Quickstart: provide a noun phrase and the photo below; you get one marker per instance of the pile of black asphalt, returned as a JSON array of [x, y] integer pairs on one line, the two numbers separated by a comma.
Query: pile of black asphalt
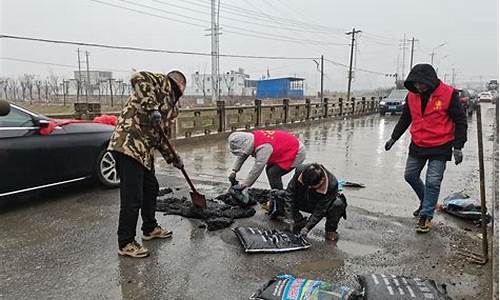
[[220, 211]]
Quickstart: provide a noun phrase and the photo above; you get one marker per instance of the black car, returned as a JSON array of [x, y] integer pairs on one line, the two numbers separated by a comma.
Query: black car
[[394, 102], [38, 152]]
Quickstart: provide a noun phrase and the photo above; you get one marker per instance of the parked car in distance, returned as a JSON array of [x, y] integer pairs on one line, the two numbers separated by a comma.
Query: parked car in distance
[[39, 152], [394, 102], [485, 97]]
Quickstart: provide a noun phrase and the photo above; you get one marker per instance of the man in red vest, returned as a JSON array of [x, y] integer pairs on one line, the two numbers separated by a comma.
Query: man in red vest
[[277, 150], [438, 129]]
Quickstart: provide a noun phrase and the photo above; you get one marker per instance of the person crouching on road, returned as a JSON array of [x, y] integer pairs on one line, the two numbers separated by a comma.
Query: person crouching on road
[[150, 109], [313, 189], [277, 150], [438, 125]]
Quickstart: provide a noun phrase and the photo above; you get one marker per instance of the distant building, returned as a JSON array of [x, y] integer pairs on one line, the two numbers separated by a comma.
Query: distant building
[[287, 87], [232, 83]]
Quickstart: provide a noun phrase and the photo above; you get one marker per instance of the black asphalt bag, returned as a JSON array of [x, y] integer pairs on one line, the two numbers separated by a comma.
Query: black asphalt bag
[[391, 287], [256, 240]]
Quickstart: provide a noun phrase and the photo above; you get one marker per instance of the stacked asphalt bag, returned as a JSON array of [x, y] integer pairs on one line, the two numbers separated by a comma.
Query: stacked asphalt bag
[[391, 287], [256, 240], [287, 287], [461, 205]]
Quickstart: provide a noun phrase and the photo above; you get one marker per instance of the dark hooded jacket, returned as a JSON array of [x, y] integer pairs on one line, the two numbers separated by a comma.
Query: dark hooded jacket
[[318, 204], [424, 73]]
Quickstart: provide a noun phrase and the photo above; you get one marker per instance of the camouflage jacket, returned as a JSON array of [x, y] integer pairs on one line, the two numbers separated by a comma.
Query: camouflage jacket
[[133, 135]]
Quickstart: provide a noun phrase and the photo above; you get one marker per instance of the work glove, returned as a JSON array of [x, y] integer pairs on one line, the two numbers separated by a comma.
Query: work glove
[[154, 118], [232, 178], [178, 163], [458, 155], [303, 232], [389, 144], [239, 187]]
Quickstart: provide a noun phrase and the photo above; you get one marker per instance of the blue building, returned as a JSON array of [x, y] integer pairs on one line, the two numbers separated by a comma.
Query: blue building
[[287, 87]]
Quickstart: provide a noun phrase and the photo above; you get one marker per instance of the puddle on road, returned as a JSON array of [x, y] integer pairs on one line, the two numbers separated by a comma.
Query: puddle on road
[[318, 265], [356, 249]]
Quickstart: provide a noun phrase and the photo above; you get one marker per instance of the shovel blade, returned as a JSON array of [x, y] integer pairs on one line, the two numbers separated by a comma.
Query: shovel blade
[[198, 200]]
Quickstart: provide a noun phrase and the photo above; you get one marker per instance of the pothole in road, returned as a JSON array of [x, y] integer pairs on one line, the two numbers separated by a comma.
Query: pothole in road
[[356, 249], [318, 265]]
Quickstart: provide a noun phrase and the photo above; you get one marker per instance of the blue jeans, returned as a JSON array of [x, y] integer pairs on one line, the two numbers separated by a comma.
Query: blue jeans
[[428, 194]]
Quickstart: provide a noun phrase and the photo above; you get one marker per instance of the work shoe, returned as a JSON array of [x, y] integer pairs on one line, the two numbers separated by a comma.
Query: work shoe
[[424, 224], [416, 213], [157, 233], [331, 236], [133, 249]]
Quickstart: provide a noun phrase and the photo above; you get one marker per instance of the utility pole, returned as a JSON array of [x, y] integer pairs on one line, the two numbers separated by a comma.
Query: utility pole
[[432, 58], [453, 77], [88, 75], [215, 53], [353, 37], [111, 90], [79, 79], [322, 75], [404, 52], [413, 40]]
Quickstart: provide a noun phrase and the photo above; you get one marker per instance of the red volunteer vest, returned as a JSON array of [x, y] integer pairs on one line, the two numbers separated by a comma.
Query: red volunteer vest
[[285, 146], [433, 128]]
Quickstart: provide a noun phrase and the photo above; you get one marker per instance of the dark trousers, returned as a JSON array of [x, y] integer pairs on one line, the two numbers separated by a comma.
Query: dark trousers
[[274, 174], [138, 191], [333, 214]]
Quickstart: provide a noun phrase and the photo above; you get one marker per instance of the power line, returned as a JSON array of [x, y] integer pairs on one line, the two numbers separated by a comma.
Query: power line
[[55, 64], [236, 30], [269, 24], [130, 48]]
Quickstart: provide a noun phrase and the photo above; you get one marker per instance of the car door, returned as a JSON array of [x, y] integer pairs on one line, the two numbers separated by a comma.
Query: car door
[[27, 158]]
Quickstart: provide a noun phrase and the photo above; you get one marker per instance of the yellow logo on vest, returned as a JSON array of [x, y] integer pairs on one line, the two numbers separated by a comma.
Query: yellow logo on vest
[[269, 133], [438, 104]]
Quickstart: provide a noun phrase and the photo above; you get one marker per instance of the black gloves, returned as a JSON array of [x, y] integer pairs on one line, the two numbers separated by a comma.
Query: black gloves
[[458, 155], [389, 144], [154, 118], [232, 178]]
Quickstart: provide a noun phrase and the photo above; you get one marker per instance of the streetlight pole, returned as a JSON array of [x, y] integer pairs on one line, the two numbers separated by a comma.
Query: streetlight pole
[[433, 53]]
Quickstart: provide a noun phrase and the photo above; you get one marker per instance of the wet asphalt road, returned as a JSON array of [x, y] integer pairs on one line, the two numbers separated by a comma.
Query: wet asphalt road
[[62, 244]]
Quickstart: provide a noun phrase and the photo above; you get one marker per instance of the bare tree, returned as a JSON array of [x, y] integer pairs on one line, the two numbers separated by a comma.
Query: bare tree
[[229, 82], [38, 84], [4, 82], [199, 81], [54, 85], [13, 88]]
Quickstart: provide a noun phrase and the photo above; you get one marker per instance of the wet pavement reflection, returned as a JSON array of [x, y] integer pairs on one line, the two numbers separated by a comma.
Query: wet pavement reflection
[[62, 245]]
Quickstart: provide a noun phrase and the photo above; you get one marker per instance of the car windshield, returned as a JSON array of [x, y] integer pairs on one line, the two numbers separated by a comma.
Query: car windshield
[[31, 112], [397, 95]]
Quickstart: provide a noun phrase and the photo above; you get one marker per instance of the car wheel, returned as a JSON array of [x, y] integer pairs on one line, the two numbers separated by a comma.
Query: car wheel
[[106, 169], [382, 113]]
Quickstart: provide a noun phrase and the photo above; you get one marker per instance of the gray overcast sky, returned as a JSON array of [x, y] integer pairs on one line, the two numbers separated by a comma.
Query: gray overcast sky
[[256, 27]]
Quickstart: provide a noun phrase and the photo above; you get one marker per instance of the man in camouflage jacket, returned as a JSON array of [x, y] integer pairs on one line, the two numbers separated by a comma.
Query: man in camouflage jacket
[[150, 109]]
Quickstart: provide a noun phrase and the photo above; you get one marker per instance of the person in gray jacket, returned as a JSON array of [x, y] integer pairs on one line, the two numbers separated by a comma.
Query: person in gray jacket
[[277, 150]]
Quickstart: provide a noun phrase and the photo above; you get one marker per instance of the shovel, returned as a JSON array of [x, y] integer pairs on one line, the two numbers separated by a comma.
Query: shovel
[[198, 199]]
